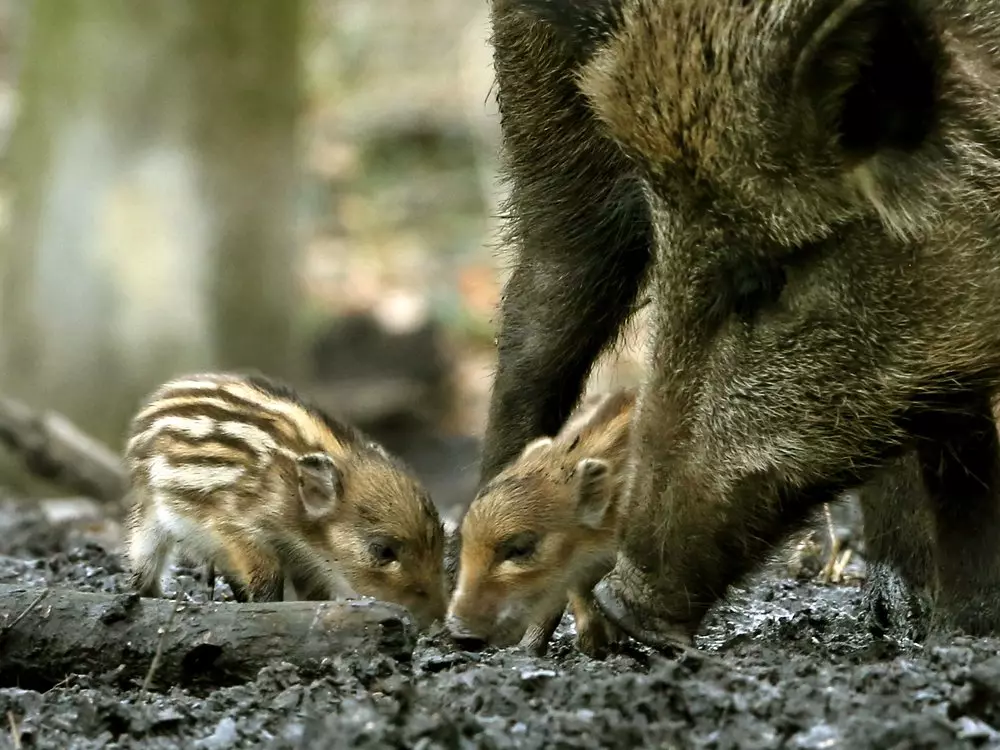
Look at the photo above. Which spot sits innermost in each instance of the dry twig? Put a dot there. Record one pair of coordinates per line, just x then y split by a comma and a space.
831, 563
27, 610
15, 730
155, 664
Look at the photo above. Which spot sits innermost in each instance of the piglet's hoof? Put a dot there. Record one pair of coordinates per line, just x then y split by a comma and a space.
634, 617
535, 641
597, 637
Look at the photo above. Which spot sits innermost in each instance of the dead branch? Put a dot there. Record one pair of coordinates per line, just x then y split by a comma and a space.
53, 448
212, 644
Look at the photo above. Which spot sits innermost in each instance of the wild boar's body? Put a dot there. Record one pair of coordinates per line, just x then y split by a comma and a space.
811, 191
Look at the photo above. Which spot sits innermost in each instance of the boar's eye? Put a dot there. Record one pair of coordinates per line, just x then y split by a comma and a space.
518, 546
383, 550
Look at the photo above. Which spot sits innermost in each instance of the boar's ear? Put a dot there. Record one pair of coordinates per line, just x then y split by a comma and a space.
535, 445
320, 484
593, 491
872, 70
581, 24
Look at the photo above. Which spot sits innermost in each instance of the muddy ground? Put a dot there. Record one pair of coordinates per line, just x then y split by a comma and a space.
788, 665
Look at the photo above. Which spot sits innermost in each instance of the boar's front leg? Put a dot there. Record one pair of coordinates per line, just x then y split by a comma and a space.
899, 547
557, 317
959, 452
579, 225
932, 522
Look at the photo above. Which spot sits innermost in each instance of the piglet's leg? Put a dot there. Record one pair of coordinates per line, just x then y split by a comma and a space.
267, 585
240, 592
536, 637
595, 634
310, 588
149, 549
258, 572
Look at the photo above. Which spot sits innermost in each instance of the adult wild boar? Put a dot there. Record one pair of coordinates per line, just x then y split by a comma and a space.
811, 189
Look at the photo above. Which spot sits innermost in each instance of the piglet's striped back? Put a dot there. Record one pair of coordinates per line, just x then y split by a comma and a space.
203, 432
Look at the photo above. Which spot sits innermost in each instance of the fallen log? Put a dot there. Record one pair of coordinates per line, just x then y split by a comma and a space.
53, 448
49, 634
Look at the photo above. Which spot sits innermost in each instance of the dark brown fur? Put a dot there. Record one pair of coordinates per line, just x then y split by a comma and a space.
811, 188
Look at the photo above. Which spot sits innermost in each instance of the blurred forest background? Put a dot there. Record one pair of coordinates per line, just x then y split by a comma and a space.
305, 187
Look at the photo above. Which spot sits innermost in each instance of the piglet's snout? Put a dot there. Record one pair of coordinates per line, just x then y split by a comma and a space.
463, 636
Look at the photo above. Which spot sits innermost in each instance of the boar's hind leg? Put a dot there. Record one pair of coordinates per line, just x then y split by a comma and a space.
960, 456
548, 342
899, 547
580, 226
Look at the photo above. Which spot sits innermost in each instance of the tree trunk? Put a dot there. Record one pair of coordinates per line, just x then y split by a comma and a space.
153, 174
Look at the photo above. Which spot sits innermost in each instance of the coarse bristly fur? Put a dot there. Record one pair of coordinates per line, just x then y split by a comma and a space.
239, 472
811, 189
542, 530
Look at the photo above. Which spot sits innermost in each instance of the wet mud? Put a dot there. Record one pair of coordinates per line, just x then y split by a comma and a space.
786, 662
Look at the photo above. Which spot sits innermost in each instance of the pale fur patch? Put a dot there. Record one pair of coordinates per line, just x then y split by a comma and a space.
190, 477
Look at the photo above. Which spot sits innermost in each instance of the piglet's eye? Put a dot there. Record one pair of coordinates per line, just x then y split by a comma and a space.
383, 552
518, 547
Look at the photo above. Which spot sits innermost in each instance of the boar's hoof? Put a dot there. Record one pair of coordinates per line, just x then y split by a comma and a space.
891, 608
634, 617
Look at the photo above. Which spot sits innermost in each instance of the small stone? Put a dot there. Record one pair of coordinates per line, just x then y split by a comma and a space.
224, 736
976, 730
818, 737
288, 698
537, 674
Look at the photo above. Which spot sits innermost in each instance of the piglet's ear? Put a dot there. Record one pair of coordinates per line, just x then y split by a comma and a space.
320, 484
535, 445
581, 24
380, 450
594, 491
601, 426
